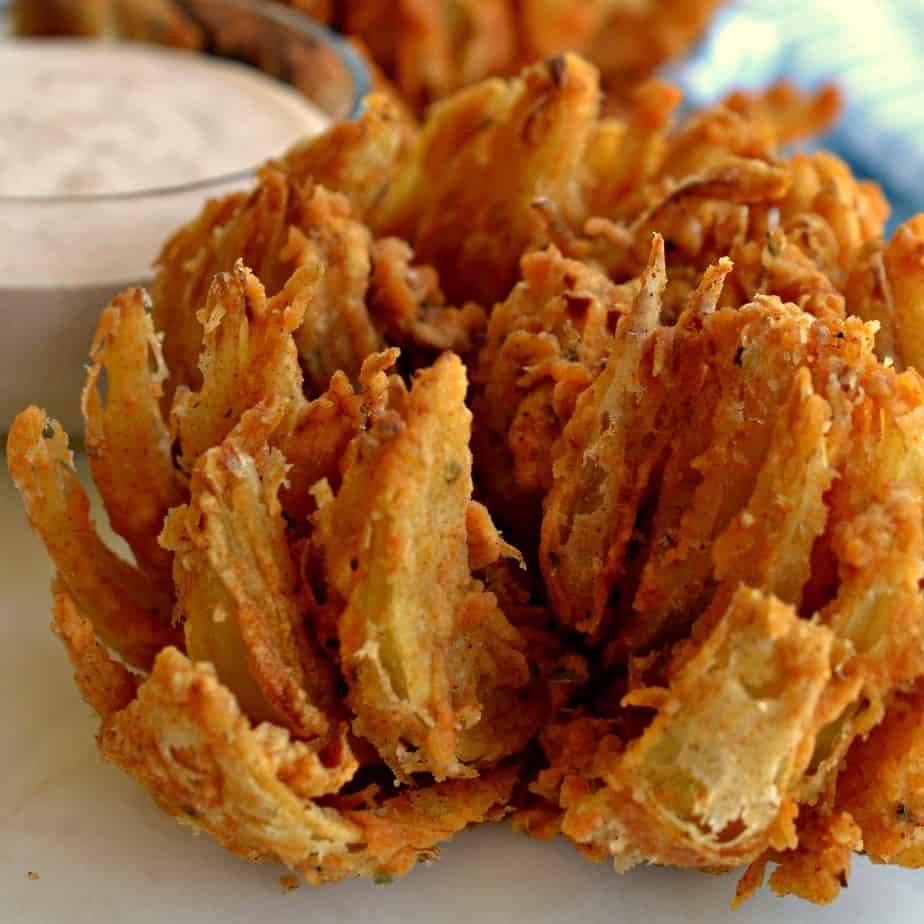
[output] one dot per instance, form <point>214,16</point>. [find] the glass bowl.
<point>52,286</point>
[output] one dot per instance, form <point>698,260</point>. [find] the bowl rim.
<point>284,16</point>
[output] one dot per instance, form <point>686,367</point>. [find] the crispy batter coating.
<point>253,228</point>
<point>407,827</point>
<point>711,781</point>
<point>185,739</point>
<point>248,355</point>
<point>817,869</point>
<point>545,343</point>
<point>343,292</point>
<point>881,786</point>
<point>869,296</point>
<point>598,476</point>
<point>127,438</point>
<point>359,159</point>
<point>407,300</point>
<point>318,444</point>
<point>130,615</point>
<point>335,332</point>
<point>427,652</point>
<point>529,134</point>
<point>769,543</point>
<point>864,507</point>
<point>236,581</point>
<point>105,685</point>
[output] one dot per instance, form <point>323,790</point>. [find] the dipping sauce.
<point>88,120</point>
<point>85,118</point>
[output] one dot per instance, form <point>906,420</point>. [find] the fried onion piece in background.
<point>130,615</point>
<point>335,332</point>
<point>359,159</point>
<point>158,21</point>
<point>480,161</point>
<point>58,17</point>
<point>321,10</point>
<point>161,21</point>
<point>793,113</point>
<point>431,661</point>
<point>423,50</point>
<point>626,39</point>
<point>430,48</point>
<point>127,439</point>
<point>236,581</point>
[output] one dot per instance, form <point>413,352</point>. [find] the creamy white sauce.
<point>84,118</point>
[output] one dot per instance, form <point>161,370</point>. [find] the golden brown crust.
<point>817,869</point>
<point>881,785</point>
<point>236,581</point>
<point>130,614</point>
<point>126,436</point>
<point>712,779</point>
<point>528,134</point>
<point>248,355</point>
<point>422,643</point>
<point>185,739</point>
<point>104,684</point>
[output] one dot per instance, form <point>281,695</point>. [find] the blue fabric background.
<point>874,49</point>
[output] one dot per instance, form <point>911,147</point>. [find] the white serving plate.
<point>105,854</point>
